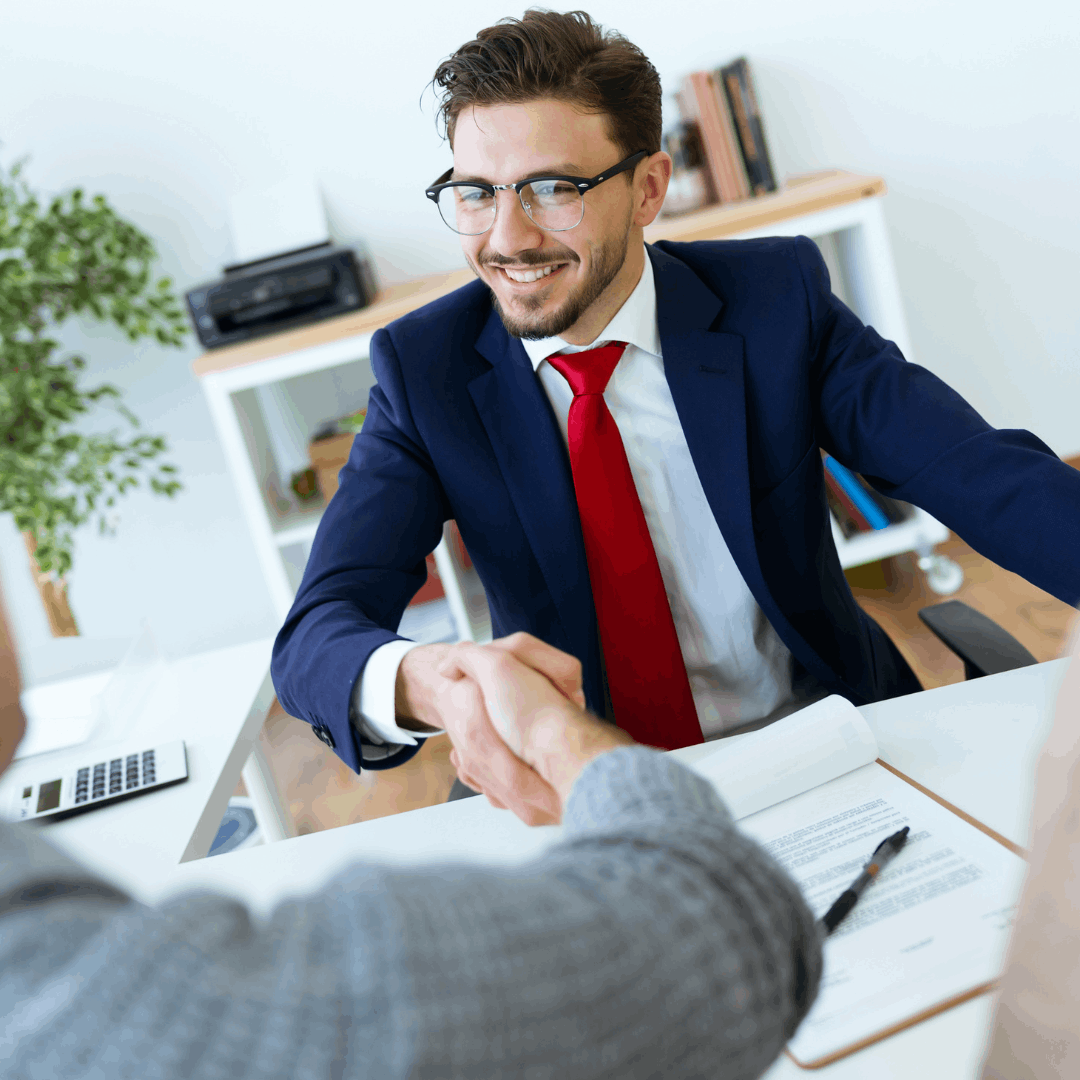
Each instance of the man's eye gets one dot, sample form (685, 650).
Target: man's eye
(473, 196)
(545, 188)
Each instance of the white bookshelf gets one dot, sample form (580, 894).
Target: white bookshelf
(920, 533)
(268, 397)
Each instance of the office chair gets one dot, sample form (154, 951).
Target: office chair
(984, 647)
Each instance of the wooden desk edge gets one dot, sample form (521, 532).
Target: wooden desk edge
(801, 195)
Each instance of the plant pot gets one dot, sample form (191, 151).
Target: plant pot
(53, 592)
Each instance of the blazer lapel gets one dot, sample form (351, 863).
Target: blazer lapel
(704, 370)
(534, 464)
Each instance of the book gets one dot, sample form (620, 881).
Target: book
(847, 514)
(738, 85)
(702, 101)
(857, 493)
(893, 509)
(932, 930)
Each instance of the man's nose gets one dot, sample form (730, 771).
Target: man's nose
(513, 230)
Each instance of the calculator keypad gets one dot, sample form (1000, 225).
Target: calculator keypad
(124, 774)
(100, 783)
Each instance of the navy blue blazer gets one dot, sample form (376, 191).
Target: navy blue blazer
(766, 367)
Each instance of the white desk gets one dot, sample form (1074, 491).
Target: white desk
(216, 702)
(975, 744)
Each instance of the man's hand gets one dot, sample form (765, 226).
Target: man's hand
(421, 686)
(552, 738)
(425, 696)
(485, 763)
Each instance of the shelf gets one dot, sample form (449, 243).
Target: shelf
(392, 302)
(799, 196)
(298, 525)
(921, 530)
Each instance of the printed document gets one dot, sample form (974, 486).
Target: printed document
(929, 932)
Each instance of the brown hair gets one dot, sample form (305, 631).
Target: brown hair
(569, 57)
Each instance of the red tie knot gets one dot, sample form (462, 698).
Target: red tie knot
(588, 372)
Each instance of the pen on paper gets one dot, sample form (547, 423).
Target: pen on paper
(883, 854)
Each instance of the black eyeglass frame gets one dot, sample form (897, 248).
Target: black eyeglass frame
(582, 183)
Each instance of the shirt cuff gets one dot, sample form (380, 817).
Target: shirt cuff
(373, 712)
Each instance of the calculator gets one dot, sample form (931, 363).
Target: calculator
(121, 775)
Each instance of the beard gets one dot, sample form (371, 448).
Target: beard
(535, 324)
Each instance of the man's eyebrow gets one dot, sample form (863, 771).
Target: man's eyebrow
(561, 169)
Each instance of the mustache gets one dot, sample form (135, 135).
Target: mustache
(528, 258)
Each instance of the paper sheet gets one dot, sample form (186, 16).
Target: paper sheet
(934, 926)
(796, 754)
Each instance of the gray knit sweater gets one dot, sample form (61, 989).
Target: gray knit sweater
(654, 941)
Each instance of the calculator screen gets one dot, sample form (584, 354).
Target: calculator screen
(48, 796)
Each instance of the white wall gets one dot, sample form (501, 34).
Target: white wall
(969, 109)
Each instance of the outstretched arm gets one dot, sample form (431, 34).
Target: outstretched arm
(916, 439)
(366, 563)
(652, 939)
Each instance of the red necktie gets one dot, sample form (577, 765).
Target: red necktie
(650, 692)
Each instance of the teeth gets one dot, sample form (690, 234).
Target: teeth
(528, 275)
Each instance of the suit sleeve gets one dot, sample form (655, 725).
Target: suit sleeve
(366, 564)
(914, 438)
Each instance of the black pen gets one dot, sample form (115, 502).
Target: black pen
(884, 854)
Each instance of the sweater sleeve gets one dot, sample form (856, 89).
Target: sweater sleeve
(654, 939)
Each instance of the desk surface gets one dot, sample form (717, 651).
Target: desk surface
(213, 702)
(974, 743)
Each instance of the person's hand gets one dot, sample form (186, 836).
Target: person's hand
(486, 763)
(480, 757)
(551, 736)
(421, 686)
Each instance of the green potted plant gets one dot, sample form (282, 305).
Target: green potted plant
(63, 258)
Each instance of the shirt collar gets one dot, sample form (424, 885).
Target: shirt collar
(634, 323)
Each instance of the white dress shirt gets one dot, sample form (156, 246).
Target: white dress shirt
(739, 669)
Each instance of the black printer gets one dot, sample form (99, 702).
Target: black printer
(280, 292)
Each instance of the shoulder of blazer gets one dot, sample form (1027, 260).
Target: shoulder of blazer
(737, 269)
(457, 317)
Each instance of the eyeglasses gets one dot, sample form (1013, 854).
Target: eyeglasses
(554, 203)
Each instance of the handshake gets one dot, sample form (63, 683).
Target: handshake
(515, 713)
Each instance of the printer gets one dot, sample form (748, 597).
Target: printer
(279, 293)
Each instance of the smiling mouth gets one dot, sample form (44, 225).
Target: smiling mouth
(526, 275)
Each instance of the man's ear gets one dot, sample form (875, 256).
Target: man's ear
(651, 179)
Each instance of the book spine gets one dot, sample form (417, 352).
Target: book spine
(738, 180)
(895, 511)
(739, 87)
(701, 99)
(846, 511)
(854, 491)
(840, 514)
(690, 106)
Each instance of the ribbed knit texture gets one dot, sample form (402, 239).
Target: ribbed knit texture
(656, 942)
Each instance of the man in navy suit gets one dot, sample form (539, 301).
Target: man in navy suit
(734, 366)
